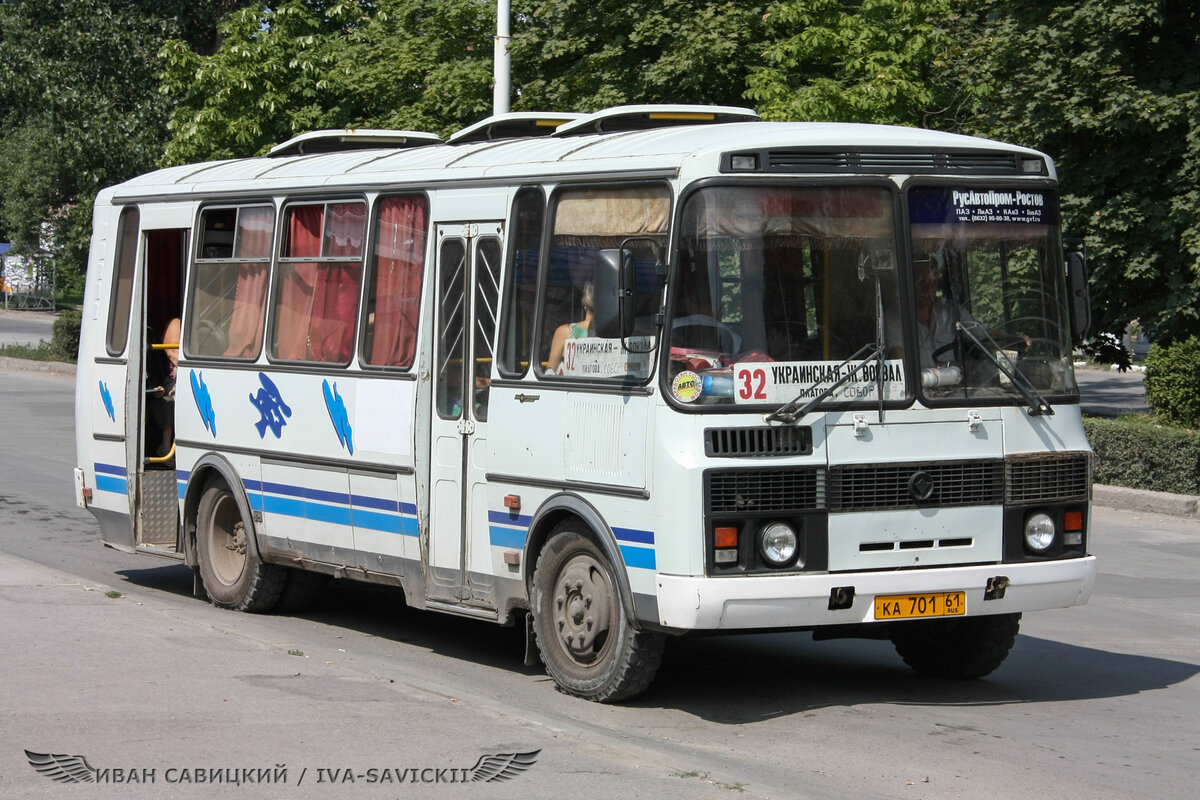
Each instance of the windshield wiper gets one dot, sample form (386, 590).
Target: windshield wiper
(1038, 405)
(792, 412)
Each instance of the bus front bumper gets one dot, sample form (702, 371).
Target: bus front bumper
(787, 601)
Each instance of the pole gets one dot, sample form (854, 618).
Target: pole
(502, 90)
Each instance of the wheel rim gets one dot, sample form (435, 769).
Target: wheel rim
(227, 541)
(583, 610)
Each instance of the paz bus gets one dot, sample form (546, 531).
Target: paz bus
(613, 377)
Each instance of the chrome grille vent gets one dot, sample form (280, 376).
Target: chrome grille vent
(754, 442)
(873, 487)
(967, 162)
(775, 490)
(1044, 479)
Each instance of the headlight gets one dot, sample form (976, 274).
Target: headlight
(1039, 532)
(777, 543)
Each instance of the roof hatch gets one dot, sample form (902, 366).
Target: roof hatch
(334, 141)
(514, 125)
(638, 118)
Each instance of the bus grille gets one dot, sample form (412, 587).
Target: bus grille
(1044, 479)
(740, 442)
(873, 487)
(776, 490)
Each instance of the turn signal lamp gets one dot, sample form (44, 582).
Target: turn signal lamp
(725, 538)
(1073, 521)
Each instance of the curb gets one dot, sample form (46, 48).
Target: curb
(1116, 497)
(1125, 499)
(25, 365)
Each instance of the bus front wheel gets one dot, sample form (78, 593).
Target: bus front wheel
(968, 647)
(233, 575)
(587, 643)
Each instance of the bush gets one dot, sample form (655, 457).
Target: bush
(1106, 348)
(1173, 381)
(64, 341)
(1138, 452)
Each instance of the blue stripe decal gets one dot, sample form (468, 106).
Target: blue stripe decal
(506, 537)
(509, 518)
(111, 469)
(339, 508)
(639, 557)
(633, 535)
(114, 485)
(182, 475)
(182, 490)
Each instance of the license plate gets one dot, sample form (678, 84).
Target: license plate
(931, 604)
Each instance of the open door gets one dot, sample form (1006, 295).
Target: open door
(155, 502)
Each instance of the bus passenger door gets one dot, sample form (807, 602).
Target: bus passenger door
(468, 279)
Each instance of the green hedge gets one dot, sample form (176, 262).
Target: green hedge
(64, 341)
(1137, 452)
(1173, 381)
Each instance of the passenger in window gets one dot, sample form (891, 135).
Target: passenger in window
(573, 330)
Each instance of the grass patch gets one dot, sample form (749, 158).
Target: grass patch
(113, 594)
(295, 652)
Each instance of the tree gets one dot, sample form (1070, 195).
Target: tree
(1111, 90)
(883, 61)
(584, 55)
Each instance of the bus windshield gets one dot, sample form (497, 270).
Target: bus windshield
(782, 293)
(990, 301)
(777, 287)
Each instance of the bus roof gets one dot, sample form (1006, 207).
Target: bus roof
(840, 148)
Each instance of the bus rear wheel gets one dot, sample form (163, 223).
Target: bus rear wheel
(587, 643)
(963, 648)
(233, 575)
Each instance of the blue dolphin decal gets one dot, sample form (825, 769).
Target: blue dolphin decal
(338, 415)
(108, 403)
(204, 403)
(271, 407)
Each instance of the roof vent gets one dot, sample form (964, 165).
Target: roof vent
(514, 125)
(638, 118)
(336, 141)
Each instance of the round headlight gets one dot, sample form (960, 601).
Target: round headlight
(777, 543)
(1039, 532)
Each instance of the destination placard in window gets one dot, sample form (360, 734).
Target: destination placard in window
(782, 381)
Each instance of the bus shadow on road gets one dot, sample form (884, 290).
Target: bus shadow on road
(749, 678)
(737, 679)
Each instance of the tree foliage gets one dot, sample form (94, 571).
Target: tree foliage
(584, 55)
(885, 61)
(1111, 91)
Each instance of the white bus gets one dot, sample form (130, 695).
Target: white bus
(614, 377)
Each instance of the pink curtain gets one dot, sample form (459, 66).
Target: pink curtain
(399, 269)
(335, 297)
(246, 325)
(298, 282)
(253, 241)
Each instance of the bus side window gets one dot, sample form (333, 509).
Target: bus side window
(228, 298)
(397, 269)
(122, 292)
(516, 332)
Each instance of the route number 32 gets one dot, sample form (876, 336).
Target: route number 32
(752, 384)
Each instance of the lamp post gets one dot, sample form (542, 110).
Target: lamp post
(502, 90)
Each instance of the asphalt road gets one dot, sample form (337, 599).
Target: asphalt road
(24, 327)
(1095, 702)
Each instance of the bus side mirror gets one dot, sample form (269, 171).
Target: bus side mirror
(613, 294)
(1080, 300)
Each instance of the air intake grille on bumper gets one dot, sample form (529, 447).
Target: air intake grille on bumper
(773, 441)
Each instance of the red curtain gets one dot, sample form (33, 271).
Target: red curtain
(335, 297)
(399, 269)
(298, 281)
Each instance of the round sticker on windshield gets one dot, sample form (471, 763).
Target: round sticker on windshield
(686, 386)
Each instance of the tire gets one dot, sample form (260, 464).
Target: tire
(965, 648)
(233, 575)
(586, 641)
